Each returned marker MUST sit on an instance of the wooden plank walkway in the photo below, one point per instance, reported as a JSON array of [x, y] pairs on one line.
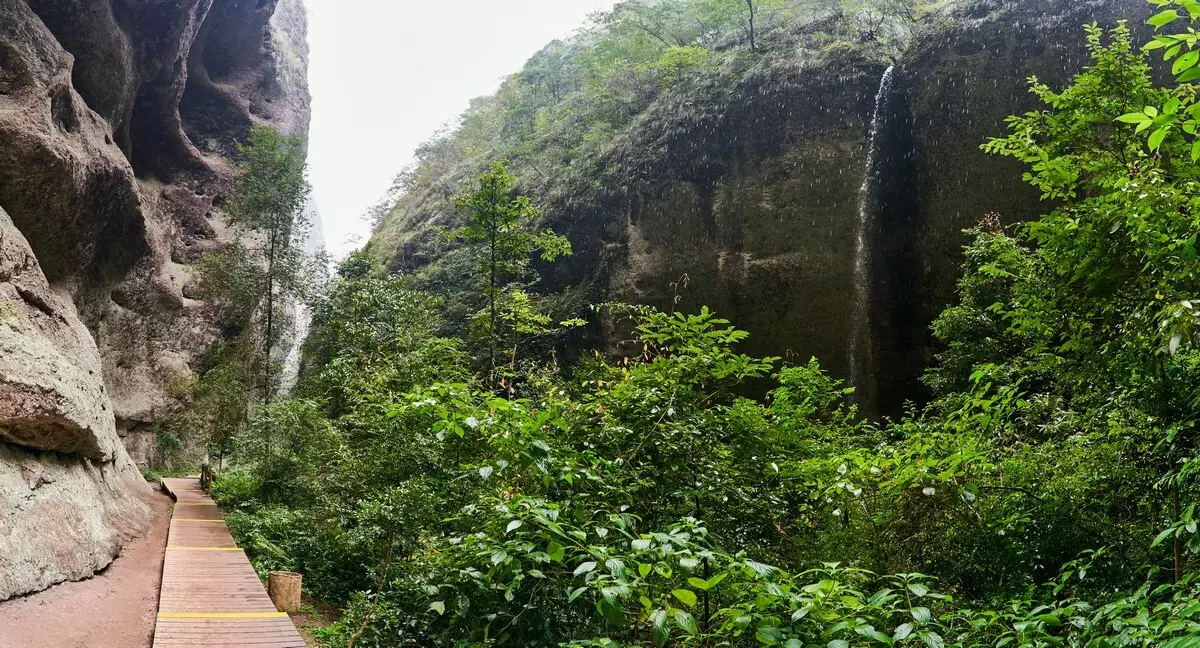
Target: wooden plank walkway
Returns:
[[210, 594]]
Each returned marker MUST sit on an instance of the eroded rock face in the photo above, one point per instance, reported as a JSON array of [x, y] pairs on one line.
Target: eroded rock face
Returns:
[[69, 494], [754, 204], [748, 209], [51, 397], [117, 119]]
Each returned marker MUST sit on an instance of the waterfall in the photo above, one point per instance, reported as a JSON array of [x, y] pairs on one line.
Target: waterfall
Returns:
[[860, 331]]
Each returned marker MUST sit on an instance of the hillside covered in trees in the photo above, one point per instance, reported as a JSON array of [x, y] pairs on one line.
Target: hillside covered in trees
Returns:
[[484, 451]]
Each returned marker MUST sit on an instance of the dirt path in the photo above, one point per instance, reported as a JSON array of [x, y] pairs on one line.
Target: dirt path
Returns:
[[114, 609]]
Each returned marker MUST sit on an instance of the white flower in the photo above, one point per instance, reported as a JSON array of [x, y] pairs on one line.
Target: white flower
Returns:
[[842, 469], [472, 422], [875, 470]]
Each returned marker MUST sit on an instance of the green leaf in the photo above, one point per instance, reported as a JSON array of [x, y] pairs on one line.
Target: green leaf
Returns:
[[1190, 641], [610, 608], [870, 631], [1189, 76], [1165, 534], [660, 632], [512, 526], [769, 635], [918, 589], [933, 640], [556, 551], [1157, 137], [585, 568], [576, 593], [1134, 118], [1159, 42], [687, 596], [485, 472], [1051, 620], [922, 614], [643, 570], [438, 606], [686, 622], [1163, 18], [902, 631], [1185, 62]]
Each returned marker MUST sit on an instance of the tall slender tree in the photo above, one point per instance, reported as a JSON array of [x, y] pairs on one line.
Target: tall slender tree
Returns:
[[269, 204], [502, 227]]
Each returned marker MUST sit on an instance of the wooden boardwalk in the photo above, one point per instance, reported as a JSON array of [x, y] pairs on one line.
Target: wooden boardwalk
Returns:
[[210, 595]]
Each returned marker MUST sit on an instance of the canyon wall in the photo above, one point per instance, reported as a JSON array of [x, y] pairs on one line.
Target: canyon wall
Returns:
[[118, 119], [748, 192]]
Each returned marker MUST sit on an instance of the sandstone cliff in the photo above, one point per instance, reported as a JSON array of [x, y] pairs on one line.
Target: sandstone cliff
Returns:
[[117, 119], [753, 184]]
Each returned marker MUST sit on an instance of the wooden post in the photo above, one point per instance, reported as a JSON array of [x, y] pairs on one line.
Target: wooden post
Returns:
[[284, 590]]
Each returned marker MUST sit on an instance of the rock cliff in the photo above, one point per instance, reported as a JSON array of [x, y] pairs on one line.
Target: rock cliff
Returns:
[[117, 119], [755, 186]]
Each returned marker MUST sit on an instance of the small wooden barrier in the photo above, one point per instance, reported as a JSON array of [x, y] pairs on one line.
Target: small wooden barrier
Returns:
[[284, 590]]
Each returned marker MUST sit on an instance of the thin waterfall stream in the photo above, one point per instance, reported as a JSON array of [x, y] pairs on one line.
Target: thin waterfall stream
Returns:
[[860, 332]]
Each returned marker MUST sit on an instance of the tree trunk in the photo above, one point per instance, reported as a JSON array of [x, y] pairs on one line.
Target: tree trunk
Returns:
[[1177, 542], [270, 321], [753, 45], [492, 307]]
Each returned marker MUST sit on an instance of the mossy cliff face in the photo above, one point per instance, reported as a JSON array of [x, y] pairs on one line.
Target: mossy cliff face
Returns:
[[746, 191], [116, 121], [958, 84], [748, 208]]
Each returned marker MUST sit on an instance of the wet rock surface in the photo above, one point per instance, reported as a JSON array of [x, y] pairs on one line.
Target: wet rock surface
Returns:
[[744, 193]]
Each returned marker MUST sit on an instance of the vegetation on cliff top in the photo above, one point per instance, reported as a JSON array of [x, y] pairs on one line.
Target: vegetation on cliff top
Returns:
[[559, 119]]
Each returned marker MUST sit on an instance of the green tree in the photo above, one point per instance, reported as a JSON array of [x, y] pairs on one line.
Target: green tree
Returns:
[[501, 229], [268, 204], [250, 281]]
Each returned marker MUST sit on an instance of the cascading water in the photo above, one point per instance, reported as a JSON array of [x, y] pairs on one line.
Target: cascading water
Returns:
[[860, 332]]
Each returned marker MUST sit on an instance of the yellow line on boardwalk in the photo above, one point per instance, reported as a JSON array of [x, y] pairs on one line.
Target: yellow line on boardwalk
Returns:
[[196, 520], [221, 615], [203, 549]]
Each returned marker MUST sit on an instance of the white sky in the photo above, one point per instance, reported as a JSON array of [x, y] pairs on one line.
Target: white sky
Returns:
[[386, 74]]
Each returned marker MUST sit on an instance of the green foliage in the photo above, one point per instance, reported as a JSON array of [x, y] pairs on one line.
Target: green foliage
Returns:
[[639, 497], [249, 282], [500, 232], [559, 121]]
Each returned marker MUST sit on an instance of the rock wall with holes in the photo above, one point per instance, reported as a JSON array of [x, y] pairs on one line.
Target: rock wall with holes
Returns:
[[117, 122]]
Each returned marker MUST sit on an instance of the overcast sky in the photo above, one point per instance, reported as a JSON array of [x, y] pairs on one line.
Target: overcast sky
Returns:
[[386, 74]]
